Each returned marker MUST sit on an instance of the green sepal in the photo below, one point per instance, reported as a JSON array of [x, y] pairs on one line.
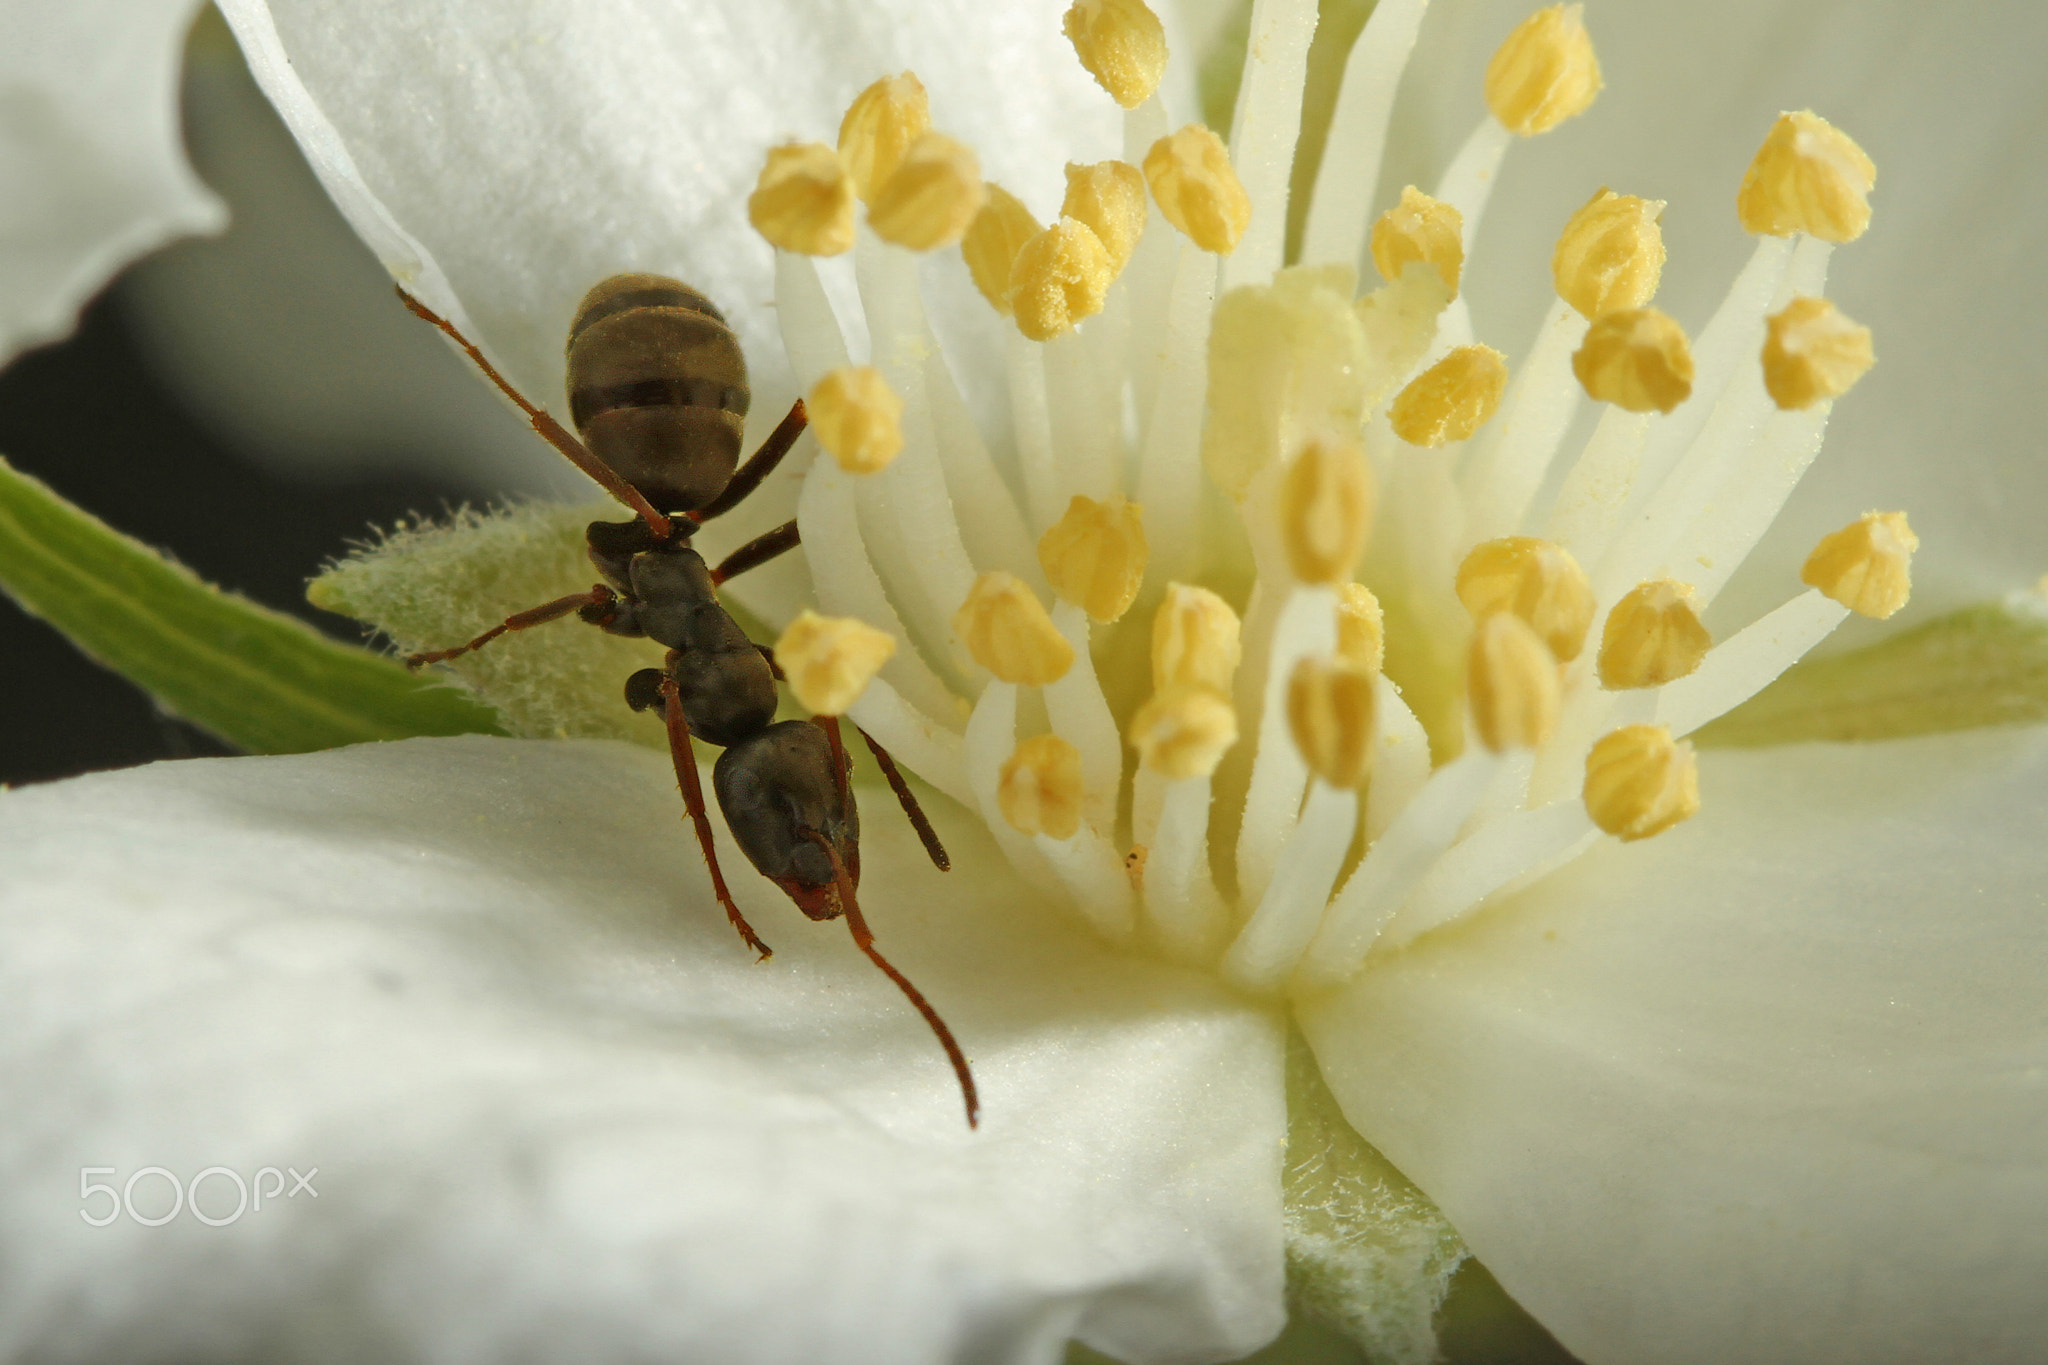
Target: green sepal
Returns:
[[1982, 666], [255, 677], [1367, 1252]]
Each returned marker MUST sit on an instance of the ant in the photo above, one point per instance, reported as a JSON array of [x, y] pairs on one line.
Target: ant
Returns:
[[658, 391]]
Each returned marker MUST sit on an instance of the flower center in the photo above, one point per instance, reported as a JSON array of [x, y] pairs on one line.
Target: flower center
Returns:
[[1277, 626]]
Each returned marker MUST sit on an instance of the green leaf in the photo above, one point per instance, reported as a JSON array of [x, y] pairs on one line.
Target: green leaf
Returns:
[[1985, 665], [255, 677]]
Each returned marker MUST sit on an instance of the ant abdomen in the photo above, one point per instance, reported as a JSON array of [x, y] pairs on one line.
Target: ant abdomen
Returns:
[[658, 388]]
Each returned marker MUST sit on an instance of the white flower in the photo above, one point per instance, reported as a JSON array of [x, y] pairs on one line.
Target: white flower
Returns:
[[1768, 1086]]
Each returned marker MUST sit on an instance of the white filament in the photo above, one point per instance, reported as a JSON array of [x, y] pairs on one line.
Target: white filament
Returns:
[[1341, 209]]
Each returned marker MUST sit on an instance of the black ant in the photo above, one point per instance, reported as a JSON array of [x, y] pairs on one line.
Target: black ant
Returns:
[[658, 389]]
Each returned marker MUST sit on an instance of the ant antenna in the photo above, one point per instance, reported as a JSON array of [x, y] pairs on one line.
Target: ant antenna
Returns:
[[865, 939]]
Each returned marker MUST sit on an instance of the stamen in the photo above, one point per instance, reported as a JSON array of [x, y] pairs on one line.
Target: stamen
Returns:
[[1749, 661], [1197, 188], [1326, 504], [1535, 580], [1813, 353], [930, 198], [1653, 636], [1330, 715], [1511, 684], [830, 660], [879, 127], [1420, 228], [1094, 556], [1505, 469], [1187, 914], [1122, 44], [1637, 359], [1109, 197], [1040, 788], [1867, 565], [1361, 627], [1452, 398], [857, 417], [1610, 256], [1640, 782], [803, 201], [1809, 176], [1263, 130], [993, 240], [1169, 471], [1059, 277], [1184, 731], [1544, 73], [1350, 169], [1008, 632], [1196, 641]]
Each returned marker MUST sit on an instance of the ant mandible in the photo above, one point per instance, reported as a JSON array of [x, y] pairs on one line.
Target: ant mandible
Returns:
[[658, 390]]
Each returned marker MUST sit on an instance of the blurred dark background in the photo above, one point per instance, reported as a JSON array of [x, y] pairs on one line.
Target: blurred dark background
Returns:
[[92, 419]]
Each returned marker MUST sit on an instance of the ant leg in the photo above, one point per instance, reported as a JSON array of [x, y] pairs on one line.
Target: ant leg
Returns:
[[598, 597], [685, 757], [773, 667], [758, 551], [908, 800], [549, 430], [864, 939], [762, 463]]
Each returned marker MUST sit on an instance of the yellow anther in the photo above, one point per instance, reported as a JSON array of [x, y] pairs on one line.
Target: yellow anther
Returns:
[[1809, 176], [1610, 256], [1325, 510], [1039, 791], [857, 417], [1007, 631], [1423, 229], [1536, 580], [803, 201], [1638, 359], [879, 127], [930, 198], [1452, 398], [1195, 641], [830, 660], [1640, 782], [1197, 188], [1094, 556], [1109, 197], [1813, 352], [1361, 627], [1183, 731], [1329, 713], [1511, 684], [1867, 566], [1059, 277], [998, 232], [1123, 45], [1544, 73], [1653, 636]]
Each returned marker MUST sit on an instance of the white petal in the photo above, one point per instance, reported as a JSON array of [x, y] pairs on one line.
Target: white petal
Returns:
[[1770, 1087], [507, 157], [92, 173], [557, 1110], [1948, 276]]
